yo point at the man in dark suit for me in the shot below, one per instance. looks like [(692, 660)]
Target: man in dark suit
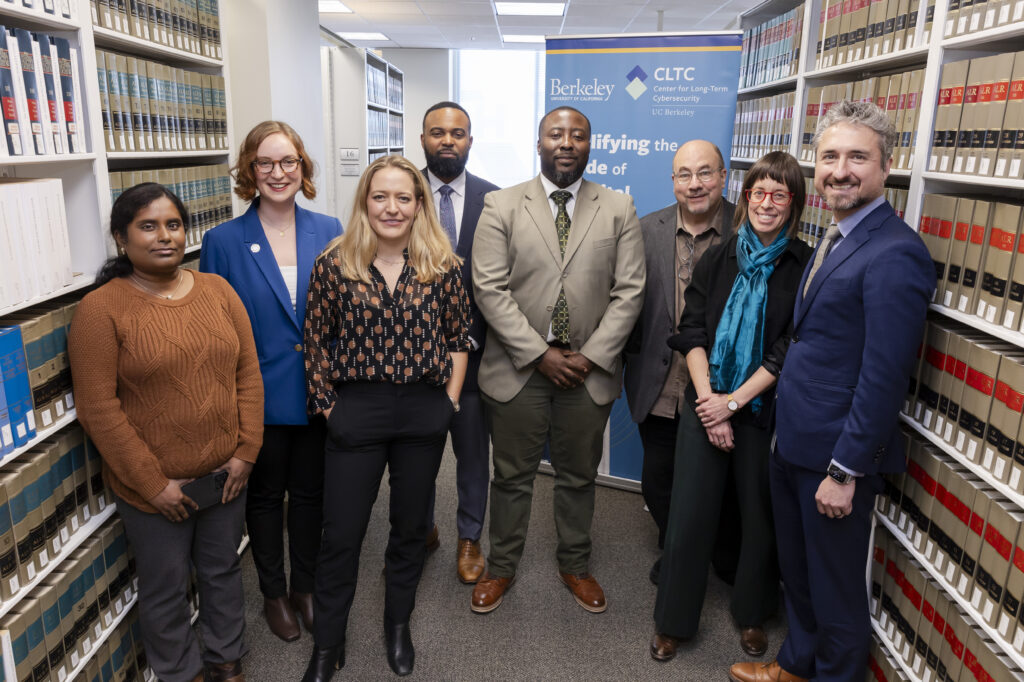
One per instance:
[(675, 238), (459, 198), (858, 321)]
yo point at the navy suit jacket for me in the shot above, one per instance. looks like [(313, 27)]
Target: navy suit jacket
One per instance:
[(855, 337), (476, 188), (239, 252)]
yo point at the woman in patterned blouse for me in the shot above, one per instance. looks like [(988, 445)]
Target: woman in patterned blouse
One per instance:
[(387, 338)]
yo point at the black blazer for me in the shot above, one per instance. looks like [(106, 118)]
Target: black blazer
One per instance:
[(707, 295), (476, 188)]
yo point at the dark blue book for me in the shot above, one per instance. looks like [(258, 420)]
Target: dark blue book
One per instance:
[(50, 88), (67, 90), (7, 102), (28, 73), (14, 373)]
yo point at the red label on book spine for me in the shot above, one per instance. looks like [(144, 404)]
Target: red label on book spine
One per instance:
[(962, 230), (980, 381), (998, 541), (1002, 240), (1016, 90), (978, 234), (946, 229)]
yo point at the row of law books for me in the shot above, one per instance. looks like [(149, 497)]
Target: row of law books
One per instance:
[(974, 244), (188, 25), (35, 388), (42, 95), (63, 9), (378, 128), (147, 106), (968, 391), (899, 95), (971, 16), (763, 125), (856, 30), (376, 83), (771, 50), (396, 95), (396, 130), (35, 250), (979, 120), (57, 626), (205, 191), (931, 633)]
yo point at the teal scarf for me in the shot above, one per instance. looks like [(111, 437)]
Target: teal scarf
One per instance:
[(739, 340)]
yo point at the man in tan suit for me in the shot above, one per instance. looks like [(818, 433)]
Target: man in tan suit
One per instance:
[(558, 272)]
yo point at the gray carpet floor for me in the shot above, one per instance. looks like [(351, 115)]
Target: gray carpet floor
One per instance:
[(538, 633)]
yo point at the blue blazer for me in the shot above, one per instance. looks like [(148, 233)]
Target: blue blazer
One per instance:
[(239, 252), (855, 337), (476, 188)]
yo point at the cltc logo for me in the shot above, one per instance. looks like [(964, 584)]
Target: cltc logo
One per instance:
[(636, 79)]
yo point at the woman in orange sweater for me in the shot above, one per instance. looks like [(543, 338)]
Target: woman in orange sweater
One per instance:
[(167, 385)]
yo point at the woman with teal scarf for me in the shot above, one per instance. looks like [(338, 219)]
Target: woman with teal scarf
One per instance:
[(734, 334)]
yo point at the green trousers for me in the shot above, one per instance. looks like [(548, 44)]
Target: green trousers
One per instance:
[(572, 425)]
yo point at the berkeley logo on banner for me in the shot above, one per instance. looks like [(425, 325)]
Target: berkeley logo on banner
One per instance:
[(645, 96)]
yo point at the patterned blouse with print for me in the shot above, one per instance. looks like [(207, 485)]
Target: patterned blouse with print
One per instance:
[(362, 332)]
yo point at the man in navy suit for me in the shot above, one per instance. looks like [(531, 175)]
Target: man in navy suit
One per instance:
[(857, 325), (459, 198)]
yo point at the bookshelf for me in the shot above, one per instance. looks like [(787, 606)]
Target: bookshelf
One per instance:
[(86, 181), (361, 127), (792, 74)]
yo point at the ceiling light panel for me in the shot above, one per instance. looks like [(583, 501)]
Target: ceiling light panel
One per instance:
[(522, 38), (529, 9)]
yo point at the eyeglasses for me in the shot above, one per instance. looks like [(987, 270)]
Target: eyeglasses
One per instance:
[(705, 176), (266, 166), (780, 198)]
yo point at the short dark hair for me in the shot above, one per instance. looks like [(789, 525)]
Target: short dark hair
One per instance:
[(447, 105), (123, 212), (540, 126)]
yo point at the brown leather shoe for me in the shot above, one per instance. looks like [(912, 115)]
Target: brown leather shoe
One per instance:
[(469, 560), (281, 618), (663, 647), (762, 672), (201, 677), (585, 590), (489, 592), (302, 603), (433, 540), (753, 641), (226, 672)]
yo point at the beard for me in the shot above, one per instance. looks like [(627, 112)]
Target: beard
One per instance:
[(559, 177), (845, 203), (443, 167)]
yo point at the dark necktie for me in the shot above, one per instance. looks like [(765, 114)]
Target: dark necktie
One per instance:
[(831, 234), (447, 213), (560, 316)]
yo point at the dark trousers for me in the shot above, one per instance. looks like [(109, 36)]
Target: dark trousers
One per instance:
[(822, 562), (403, 427), (573, 424), (291, 461), (472, 466), (702, 475), (165, 553), (658, 436)]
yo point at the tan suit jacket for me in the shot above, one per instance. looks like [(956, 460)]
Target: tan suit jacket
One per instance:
[(518, 271)]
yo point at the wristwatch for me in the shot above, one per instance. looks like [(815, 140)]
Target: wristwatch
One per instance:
[(732, 404), (838, 475)]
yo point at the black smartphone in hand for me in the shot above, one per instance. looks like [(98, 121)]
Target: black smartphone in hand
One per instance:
[(208, 490)]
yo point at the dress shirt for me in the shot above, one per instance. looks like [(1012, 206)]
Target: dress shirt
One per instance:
[(846, 226), (364, 332), (458, 197), (689, 249)]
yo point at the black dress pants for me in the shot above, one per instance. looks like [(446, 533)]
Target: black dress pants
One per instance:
[(403, 427), (291, 461)]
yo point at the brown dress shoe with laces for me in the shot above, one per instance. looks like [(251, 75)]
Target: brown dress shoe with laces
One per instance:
[(469, 560), (585, 590), (281, 618), (753, 641), (663, 647), (489, 592), (762, 672)]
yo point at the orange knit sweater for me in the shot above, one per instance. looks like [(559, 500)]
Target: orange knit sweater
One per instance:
[(165, 389)]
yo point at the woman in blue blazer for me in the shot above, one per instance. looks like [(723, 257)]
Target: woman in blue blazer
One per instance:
[(267, 255)]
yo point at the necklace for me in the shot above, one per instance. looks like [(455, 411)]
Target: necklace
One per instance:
[(138, 282), (385, 261)]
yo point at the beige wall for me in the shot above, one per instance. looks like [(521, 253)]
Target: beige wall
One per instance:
[(427, 81)]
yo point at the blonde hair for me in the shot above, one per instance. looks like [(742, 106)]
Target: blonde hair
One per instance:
[(245, 176), (430, 251)]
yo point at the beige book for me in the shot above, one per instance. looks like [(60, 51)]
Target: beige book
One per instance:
[(117, 112), (1001, 531), (1009, 622), (899, 33), (98, 494), (963, 16), (875, 28), (913, 19), (1004, 419), (48, 499), (999, 256), (933, 613), (976, 78), (920, 486), (1009, 162), (948, 115), (811, 113), (843, 42), (889, 27), (974, 258), (935, 350), (976, 402), (46, 596), (951, 383), (37, 555), (855, 50), (221, 111), (9, 579), (195, 83), (977, 498), (879, 554), (910, 102), (131, 71), (22, 524), (32, 663), (833, 18), (952, 14), (936, 230), (995, 111)]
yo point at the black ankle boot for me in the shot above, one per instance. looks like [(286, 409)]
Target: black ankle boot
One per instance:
[(324, 662), (401, 654)]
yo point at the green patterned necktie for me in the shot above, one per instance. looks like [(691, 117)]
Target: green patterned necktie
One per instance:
[(560, 316)]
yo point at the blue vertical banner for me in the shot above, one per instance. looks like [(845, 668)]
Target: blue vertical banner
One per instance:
[(645, 95)]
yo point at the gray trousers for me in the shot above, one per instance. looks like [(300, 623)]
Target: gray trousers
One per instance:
[(164, 555)]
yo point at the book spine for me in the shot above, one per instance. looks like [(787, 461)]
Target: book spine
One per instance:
[(14, 373)]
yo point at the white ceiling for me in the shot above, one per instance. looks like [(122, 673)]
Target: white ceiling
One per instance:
[(472, 24)]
